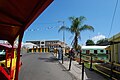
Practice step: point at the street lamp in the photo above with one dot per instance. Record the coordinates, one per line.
(63, 23)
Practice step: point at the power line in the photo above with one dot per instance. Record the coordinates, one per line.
(48, 23)
(113, 18)
(40, 29)
(43, 28)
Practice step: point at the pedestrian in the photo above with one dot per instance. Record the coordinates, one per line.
(60, 52)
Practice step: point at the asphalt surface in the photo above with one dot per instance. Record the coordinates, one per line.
(42, 66)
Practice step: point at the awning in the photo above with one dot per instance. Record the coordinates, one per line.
(18, 14)
(108, 48)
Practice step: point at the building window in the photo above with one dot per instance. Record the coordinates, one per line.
(101, 51)
(95, 51)
(42, 42)
(87, 51)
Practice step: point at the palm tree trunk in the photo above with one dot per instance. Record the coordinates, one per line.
(76, 41)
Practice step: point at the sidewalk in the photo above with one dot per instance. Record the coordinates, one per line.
(76, 70)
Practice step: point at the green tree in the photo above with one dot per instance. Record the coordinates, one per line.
(76, 28)
(102, 42)
(89, 42)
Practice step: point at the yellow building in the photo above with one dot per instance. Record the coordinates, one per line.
(115, 48)
(43, 45)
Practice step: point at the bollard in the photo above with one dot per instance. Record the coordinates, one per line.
(82, 71)
(70, 63)
(91, 63)
(62, 58)
(80, 58)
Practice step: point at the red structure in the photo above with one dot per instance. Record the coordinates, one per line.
(15, 18)
(6, 68)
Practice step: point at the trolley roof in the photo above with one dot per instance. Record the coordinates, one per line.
(18, 14)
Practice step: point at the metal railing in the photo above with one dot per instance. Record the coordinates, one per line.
(109, 69)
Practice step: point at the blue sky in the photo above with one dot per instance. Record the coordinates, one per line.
(98, 13)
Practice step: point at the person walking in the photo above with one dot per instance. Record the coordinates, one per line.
(60, 52)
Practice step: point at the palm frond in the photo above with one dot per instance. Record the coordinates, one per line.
(64, 28)
(81, 20)
(86, 27)
(76, 22)
(72, 18)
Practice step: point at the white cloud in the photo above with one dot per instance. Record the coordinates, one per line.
(98, 37)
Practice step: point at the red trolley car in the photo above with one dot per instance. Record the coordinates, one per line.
(15, 18)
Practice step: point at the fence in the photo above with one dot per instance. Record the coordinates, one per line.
(109, 69)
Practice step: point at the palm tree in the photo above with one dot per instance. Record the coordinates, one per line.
(76, 28)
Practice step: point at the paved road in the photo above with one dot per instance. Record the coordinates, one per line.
(42, 66)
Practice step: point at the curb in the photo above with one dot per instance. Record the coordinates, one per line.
(65, 69)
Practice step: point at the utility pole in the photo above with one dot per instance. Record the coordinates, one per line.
(63, 24)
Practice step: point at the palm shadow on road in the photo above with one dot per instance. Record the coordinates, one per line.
(55, 60)
(50, 59)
